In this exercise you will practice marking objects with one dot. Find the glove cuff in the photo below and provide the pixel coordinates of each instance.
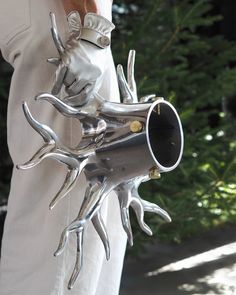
(96, 29)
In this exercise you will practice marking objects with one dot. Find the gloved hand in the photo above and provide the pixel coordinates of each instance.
(83, 60)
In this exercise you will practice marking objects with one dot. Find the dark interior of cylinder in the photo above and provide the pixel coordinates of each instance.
(165, 135)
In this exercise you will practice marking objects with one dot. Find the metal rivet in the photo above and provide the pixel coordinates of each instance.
(136, 126)
(104, 41)
(154, 173)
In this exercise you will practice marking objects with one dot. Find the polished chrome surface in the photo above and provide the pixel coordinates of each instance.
(111, 155)
(82, 59)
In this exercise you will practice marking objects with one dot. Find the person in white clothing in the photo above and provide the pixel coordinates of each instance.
(32, 232)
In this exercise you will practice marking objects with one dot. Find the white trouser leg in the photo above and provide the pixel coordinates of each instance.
(32, 232)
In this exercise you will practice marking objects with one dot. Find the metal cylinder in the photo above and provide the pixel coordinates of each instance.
(160, 143)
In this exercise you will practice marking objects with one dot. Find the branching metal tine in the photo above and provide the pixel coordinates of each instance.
(62, 157)
(63, 242)
(46, 132)
(153, 208)
(139, 211)
(125, 92)
(124, 197)
(130, 75)
(87, 192)
(79, 260)
(37, 157)
(67, 186)
(87, 197)
(55, 35)
(126, 225)
(60, 105)
(74, 226)
(91, 205)
(99, 226)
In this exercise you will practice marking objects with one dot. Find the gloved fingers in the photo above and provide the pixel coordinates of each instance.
(69, 79)
(79, 259)
(76, 100)
(54, 61)
(81, 89)
(55, 35)
(60, 75)
(125, 92)
(130, 75)
(77, 87)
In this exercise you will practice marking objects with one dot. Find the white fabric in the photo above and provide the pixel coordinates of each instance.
(32, 232)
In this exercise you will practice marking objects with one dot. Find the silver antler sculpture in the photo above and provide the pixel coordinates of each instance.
(114, 136)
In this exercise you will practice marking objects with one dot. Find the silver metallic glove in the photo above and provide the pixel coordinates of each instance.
(83, 60)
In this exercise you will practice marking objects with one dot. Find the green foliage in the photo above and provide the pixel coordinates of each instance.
(178, 58)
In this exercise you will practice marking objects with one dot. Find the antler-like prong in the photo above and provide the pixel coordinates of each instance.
(46, 132)
(128, 89)
(68, 185)
(74, 169)
(125, 92)
(126, 225)
(99, 226)
(50, 138)
(79, 260)
(129, 197)
(55, 35)
(37, 157)
(130, 75)
(61, 106)
(154, 208)
(63, 242)
(139, 211)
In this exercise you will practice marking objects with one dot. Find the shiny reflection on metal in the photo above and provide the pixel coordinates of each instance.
(111, 156)
(128, 87)
(80, 69)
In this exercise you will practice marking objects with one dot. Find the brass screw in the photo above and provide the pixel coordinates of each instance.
(154, 173)
(136, 126)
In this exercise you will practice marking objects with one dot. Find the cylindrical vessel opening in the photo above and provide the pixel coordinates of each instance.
(164, 135)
